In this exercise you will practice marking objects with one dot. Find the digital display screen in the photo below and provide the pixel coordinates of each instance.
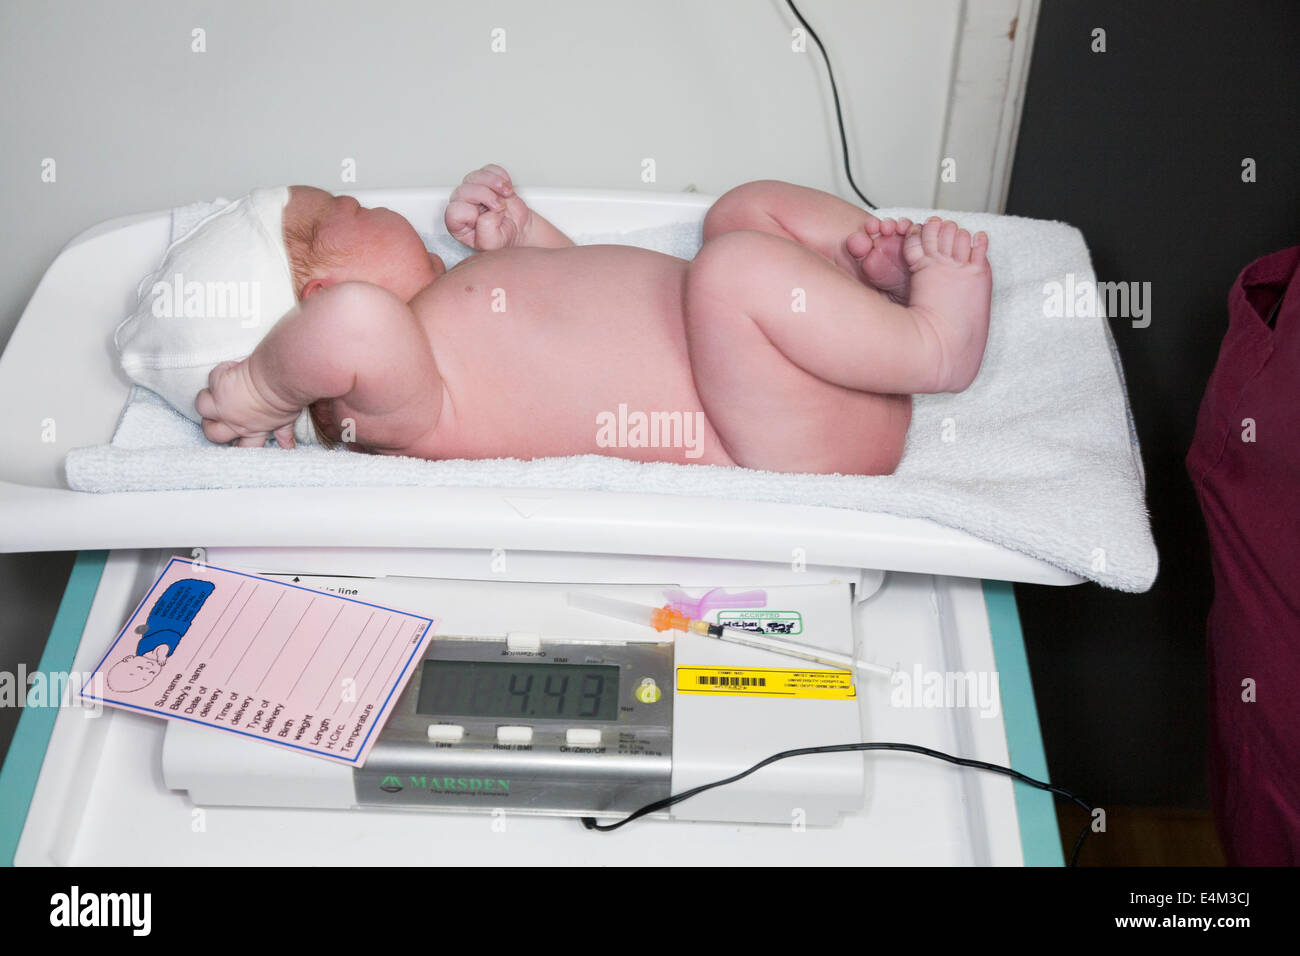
(518, 690)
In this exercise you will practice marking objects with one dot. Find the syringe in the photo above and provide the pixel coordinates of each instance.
(665, 618)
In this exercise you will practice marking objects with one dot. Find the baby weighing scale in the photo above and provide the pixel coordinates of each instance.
(494, 566)
(588, 718)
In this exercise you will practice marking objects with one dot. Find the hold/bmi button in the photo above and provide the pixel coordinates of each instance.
(514, 735)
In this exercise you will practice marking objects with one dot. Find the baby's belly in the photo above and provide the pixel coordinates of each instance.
(549, 352)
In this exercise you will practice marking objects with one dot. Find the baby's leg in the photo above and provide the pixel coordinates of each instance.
(800, 367)
(864, 246)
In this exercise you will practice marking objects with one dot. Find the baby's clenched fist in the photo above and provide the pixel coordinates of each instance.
(485, 213)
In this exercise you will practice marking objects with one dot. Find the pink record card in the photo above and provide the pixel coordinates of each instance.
(304, 669)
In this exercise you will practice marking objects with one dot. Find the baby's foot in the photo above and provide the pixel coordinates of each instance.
(878, 249)
(951, 289)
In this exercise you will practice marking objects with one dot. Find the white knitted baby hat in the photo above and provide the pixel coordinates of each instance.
(221, 287)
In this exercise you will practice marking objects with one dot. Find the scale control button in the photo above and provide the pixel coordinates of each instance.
(446, 733)
(523, 642)
(582, 737)
(514, 735)
(647, 691)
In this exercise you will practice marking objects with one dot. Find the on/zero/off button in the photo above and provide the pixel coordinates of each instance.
(582, 737)
(514, 735)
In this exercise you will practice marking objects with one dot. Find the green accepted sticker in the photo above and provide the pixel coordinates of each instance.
(778, 623)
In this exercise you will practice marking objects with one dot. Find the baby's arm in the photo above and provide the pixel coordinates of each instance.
(485, 213)
(354, 343)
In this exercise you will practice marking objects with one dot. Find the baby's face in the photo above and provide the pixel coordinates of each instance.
(351, 243)
(133, 672)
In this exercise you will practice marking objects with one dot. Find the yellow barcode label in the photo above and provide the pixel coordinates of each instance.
(766, 682)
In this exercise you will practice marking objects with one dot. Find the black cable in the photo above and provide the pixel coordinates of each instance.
(839, 116)
(591, 824)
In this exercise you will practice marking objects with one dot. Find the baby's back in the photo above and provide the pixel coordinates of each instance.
(565, 352)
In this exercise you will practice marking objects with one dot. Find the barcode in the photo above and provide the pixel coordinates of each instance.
(714, 681)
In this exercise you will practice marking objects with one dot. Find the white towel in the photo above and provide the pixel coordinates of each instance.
(1038, 455)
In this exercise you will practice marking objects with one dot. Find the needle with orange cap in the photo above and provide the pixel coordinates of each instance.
(666, 618)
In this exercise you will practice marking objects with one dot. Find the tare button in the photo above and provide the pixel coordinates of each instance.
(446, 733)
(523, 642)
(514, 735)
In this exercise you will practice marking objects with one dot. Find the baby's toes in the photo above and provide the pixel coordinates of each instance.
(947, 233)
(930, 230)
(961, 247)
(859, 244)
(979, 248)
(914, 246)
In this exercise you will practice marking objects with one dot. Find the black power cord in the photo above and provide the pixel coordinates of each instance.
(591, 824)
(839, 115)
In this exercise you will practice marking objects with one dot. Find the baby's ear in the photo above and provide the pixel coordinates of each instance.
(314, 286)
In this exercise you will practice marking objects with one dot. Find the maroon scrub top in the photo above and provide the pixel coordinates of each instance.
(1245, 465)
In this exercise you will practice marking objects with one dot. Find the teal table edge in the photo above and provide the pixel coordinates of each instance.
(31, 739)
(1040, 837)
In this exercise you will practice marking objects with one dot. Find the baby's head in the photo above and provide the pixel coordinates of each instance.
(226, 282)
(133, 672)
(332, 239)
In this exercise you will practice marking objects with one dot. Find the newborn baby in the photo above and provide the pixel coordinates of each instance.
(795, 338)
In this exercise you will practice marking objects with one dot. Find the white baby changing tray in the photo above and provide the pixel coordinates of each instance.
(60, 378)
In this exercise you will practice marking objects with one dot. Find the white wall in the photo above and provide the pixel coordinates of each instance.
(586, 89)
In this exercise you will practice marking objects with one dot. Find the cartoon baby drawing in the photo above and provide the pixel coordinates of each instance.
(169, 619)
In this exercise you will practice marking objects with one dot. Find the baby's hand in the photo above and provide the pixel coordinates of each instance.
(233, 409)
(484, 212)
